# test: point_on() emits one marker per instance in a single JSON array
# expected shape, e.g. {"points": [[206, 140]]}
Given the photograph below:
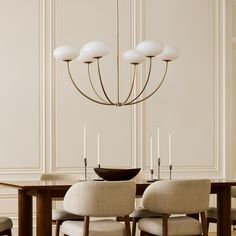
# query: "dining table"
{"points": [[47, 190]]}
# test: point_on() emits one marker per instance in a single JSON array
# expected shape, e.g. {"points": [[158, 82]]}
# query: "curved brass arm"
{"points": [[141, 100], [103, 89], [145, 85], [91, 83], [132, 85], [79, 90]]}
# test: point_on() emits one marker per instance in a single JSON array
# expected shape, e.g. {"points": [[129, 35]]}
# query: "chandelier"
{"points": [[94, 51]]}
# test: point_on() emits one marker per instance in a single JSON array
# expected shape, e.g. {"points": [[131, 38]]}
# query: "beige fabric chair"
{"points": [[60, 215], [176, 197], [5, 226], [212, 211], [140, 213], [99, 199]]}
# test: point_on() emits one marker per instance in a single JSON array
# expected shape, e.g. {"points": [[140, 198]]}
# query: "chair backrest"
{"points": [[177, 196], [101, 199], [59, 177]]}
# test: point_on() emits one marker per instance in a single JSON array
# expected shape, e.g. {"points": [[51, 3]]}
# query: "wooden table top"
{"points": [[43, 184]]}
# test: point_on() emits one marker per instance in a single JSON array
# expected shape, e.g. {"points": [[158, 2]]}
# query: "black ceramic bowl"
{"points": [[112, 174]]}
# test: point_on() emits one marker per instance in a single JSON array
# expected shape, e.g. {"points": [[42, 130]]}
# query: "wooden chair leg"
{"points": [[142, 233], [135, 220], [127, 225], [58, 224], [165, 225], [9, 233], [208, 225], [86, 226], [204, 224]]}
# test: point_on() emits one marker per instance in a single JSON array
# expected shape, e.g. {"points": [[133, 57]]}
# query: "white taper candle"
{"points": [[151, 158], [85, 137], [98, 148], [158, 142], [170, 158]]}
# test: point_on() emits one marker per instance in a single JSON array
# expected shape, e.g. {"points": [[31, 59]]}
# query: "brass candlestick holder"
{"points": [[85, 169], [170, 168], [151, 172], [99, 178], [152, 179], [158, 171], [159, 168]]}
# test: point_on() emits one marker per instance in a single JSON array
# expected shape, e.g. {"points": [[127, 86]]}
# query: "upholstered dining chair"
{"points": [[140, 213], [99, 199], [174, 197], [60, 215], [212, 211], [5, 226]]}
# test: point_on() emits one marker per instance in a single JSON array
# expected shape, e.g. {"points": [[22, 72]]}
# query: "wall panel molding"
{"points": [[55, 165], [216, 166], [41, 105]]}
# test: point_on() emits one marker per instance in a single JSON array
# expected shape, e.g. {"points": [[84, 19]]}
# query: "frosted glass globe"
{"points": [[133, 57], [96, 49], [65, 53], [83, 57], [169, 54], [150, 48]]}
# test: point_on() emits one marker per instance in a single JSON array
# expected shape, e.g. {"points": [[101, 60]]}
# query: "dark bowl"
{"points": [[112, 174]]}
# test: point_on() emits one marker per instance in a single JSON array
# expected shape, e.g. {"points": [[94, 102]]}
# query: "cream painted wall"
{"points": [[187, 105], [233, 92], [43, 115]]}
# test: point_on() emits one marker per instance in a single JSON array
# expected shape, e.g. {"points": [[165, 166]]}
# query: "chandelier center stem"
{"points": [[117, 52]]}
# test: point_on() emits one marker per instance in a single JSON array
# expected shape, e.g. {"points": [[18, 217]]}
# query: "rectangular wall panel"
{"points": [[188, 103], [233, 91], [76, 23], [20, 90]]}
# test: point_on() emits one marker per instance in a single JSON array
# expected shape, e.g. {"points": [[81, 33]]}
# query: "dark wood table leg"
{"points": [[44, 213], [25, 222], [223, 211]]}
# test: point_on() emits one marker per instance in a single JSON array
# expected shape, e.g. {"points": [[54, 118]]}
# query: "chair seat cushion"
{"points": [[142, 212], [96, 228], [5, 223], [212, 213], [61, 214], [181, 225]]}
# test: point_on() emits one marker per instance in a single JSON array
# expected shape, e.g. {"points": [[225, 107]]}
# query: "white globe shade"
{"points": [[169, 54], [133, 57], [65, 53], [96, 49], [83, 57], [150, 48]]}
